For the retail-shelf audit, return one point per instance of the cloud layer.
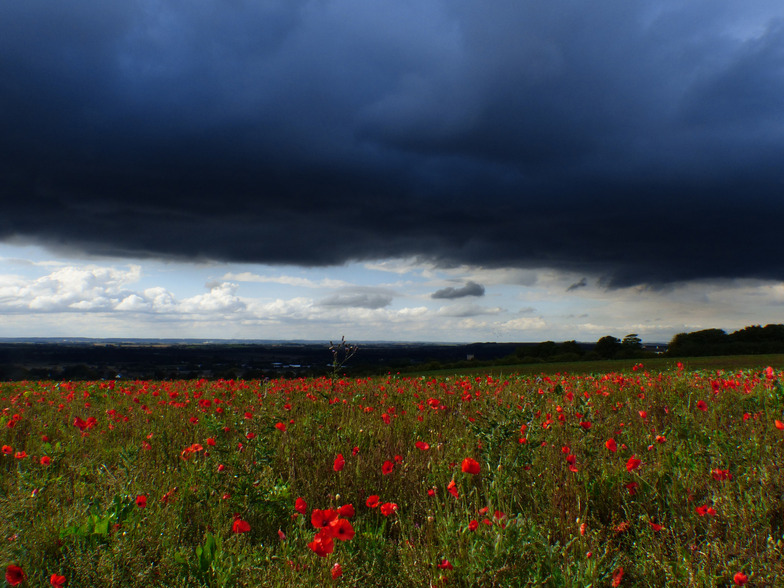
(637, 142)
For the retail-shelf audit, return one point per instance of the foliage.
(637, 477)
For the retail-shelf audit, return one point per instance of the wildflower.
(617, 577)
(388, 508)
(633, 463)
(341, 529)
(654, 526)
(346, 511)
(322, 518)
(46, 460)
(240, 526)
(57, 581)
(720, 475)
(141, 500)
(336, 571)
(15, 575)
(372, 501)
(422, 446)
(470, 466)
(301, 506)
(339, 463)
(452, 488)
(661, 439)
(778, 423)
(611, 445)
(586, 425)
(387, 467)
(622, 527)
(322, 544)
(20, 454)
(280, 427)
(740, 579)
(445, 565)
(702, 406)
(7, 450)
(473, 525)
(632, 487)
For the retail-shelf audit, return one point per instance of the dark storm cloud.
(470, 289)
(640, 142)
(577, 285)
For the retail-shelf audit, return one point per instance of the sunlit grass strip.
(634, 478)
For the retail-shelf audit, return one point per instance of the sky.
(429, 170)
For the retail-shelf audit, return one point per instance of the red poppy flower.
(661, 439)
(702, 406)
(445, 565)
(339, 463)
(617, 577)
(387, 467)
(586, 425)
(740, 579)
(388, 508)
(705, 510)
(7, 449)
(633, 463)
(346, 511)
(46, 460)
(240, 526)
(473, 525)
(322, 544)
(322, 518)
(301, 506)
(654, 526)
(421, 445)
(720, 475)
(20, 454)
(15, 575)
(341, 529)
(632, 487)
(336, 571)
(57, 581)
(280, 427)
(141, 501)
(611, 445)
(470, 466)
(452, 488)
(372, 501)
(778, 423)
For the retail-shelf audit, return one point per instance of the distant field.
(722, 362)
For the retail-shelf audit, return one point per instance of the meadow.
(639, 477)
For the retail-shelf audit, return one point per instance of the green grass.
(551, 505)
(718, 362)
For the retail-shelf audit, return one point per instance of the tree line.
(752, 340)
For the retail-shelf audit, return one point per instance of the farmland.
(637, 477)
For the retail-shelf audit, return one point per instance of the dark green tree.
(607, 347)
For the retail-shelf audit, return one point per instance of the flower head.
(470, 466)
(15, 575)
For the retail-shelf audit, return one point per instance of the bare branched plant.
(341, 353)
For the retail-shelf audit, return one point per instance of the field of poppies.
(635, 478)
